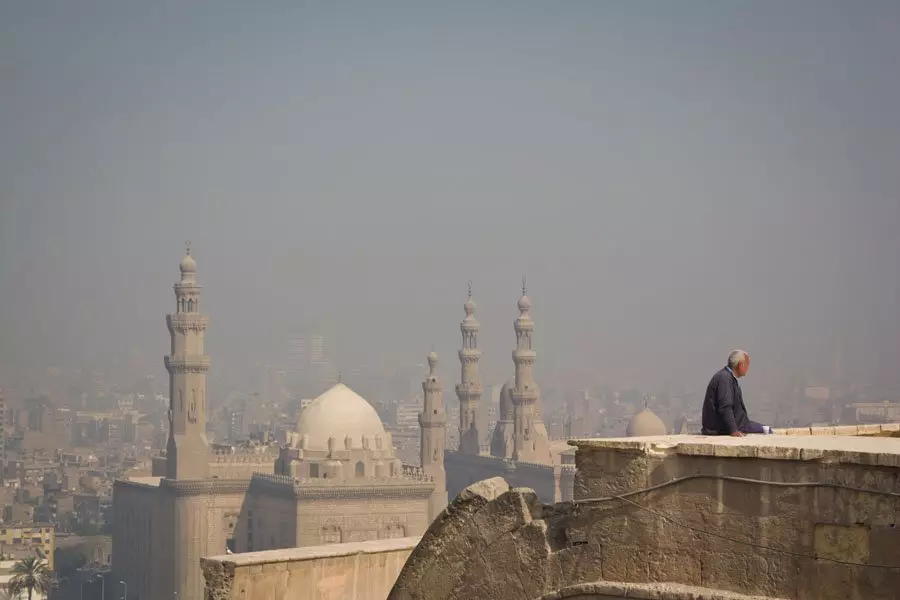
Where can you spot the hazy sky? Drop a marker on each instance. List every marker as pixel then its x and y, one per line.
pixel 674 178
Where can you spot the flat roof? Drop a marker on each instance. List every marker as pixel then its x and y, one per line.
pixel 863 450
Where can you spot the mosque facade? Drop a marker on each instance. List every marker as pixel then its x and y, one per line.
pixel 336 480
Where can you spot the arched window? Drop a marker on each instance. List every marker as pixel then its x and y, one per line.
pixel 360 469
pixel 190 306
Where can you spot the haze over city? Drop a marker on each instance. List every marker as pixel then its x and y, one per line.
pixel 673 180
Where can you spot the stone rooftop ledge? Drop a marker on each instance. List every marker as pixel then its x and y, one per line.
pixel 648 591
pixel 869 451
pixel 316 552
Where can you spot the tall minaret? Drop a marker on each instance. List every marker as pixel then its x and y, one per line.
pixel 432 422
pixel 469 389
pixel 187 451
pixel 530 442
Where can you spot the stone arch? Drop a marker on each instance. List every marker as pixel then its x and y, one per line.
pixel 360 469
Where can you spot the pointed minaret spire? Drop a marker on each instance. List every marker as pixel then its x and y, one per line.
pixel 469 389
pixel 432 423
pixel 531 442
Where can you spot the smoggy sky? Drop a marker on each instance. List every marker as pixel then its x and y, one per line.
pixel 675 179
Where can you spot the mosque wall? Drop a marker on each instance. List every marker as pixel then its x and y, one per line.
pixel 336 520
pixel 792 517
pixel 463 470
pixel 135 534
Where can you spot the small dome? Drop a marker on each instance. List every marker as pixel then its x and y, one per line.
pixel 644 424
pixel 469 307
pixel 338 413
pixel 188 264
pixel 506 405
pixel 524 304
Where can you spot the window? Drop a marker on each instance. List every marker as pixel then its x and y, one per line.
pixel 360 469
pixel 314 470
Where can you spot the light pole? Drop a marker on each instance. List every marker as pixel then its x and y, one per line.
pixel 125 595
pixel 102 587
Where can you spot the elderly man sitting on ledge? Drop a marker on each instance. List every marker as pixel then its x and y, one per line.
pixel 724 412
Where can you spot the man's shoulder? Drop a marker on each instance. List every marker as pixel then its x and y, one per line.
pixel 721 375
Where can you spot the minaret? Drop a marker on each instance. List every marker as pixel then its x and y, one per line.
pixel 469 389
pixel 187 451
pixel 531 443
pixel 432 421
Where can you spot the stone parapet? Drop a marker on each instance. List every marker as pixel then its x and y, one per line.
pixel 359 570
pixel 883 429
pixel 194 487
pixel 859 450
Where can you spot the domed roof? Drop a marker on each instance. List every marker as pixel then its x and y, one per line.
pixel 524 304
pixel 188 264
pixel 506 405
pixel 338 413
pixel 645 423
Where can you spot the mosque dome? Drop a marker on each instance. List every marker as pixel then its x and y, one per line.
pixel 338 413
pixel 645 423
pixel 506 405
pixel 188 264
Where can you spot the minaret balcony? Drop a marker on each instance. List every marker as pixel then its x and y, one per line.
pixel 184 322
pixel 470 388
pixel 187 363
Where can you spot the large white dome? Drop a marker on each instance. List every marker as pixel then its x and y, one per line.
pixel 337 413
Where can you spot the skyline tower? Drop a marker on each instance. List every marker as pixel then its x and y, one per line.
pixel 469 389
pixel 187 450
pixel 531 443
pixel 432 423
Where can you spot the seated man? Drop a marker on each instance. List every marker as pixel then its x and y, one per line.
pixel 724 412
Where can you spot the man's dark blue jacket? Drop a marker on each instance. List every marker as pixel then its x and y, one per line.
pixel 723 407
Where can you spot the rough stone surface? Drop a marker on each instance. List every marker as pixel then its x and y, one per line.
pixel 602 590
pixel 719 537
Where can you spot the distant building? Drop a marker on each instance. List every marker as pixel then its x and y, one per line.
pixel 19 541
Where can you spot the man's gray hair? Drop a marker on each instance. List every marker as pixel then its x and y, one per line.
pixel 736 357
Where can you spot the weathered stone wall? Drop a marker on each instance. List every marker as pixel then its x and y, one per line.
pixel 361 571
pixel 800 542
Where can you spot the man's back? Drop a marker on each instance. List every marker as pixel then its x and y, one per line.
pixel 723 406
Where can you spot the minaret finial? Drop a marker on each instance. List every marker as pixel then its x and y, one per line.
pixel 524 287
pixel 187 247
pixel 340 377
pixel 470 288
